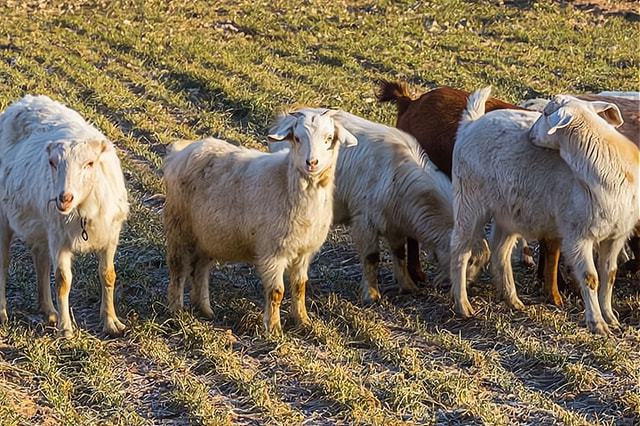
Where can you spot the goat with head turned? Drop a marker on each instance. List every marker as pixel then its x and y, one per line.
pixel 566 174
pixel 629 105
pixel 230 203
pixel 63 192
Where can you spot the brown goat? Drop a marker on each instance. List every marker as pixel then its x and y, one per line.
pixel 433 120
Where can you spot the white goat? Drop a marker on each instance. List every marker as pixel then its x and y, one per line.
pixel 62 192
pixel 230 203
pixel 386 186
pixel 566 174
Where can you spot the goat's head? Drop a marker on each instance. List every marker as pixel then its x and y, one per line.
pixel 73 169
pixel 563 110
pixel 314 137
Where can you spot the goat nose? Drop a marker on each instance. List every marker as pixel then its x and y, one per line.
pixel 312 162
pixel 65 197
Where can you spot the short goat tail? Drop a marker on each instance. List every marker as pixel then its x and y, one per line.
pixel 396 92
pixel 178 146
pixel 475 105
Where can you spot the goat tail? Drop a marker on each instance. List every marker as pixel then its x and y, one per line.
pixel 178 146
pixel 476 105
pixel 396 92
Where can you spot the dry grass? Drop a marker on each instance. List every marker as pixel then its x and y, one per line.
pixel 150 72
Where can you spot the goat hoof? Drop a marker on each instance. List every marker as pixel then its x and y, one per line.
pixel 515 303
pixel 600 328
pixel 274 331
pixel 611 320
pixel 3 316
pixel 528 262
pixel 418 275
pixel 556 300
pixel 65 333
pixel 113 327
pixel 301 319
pixel 464 309
pixel 50 318
pixel 206 312
pixel 371 297
pixel 408 288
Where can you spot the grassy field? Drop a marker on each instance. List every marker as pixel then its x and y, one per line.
pixel 147 73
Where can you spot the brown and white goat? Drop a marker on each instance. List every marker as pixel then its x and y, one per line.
pixel 433 120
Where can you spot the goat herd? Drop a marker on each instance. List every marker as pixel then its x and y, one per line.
pixel 557 171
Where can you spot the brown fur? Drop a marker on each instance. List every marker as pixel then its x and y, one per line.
pixel 433 120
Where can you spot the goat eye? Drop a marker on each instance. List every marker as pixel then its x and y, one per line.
pixel 89 164
pixel 52 164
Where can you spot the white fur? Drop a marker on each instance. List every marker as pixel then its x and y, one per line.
pixel 386 187
pixel 565 174
pixel 36 132
pixel 230 203
pixel 634 96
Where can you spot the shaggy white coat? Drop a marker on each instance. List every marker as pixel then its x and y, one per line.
pixel 47 150
pixel 229 203
pixel 567 174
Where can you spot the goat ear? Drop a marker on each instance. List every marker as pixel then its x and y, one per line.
pixel 610 112
pixel 559 119
pixel 345 137
pixel 283 129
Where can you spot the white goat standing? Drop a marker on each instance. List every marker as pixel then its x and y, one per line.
pixel 230 203
pixel 61 191
pixel 565 174
pixel 387 187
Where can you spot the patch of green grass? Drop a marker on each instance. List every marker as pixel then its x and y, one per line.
pixel 147 73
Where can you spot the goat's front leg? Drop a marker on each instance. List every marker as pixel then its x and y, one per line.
pixel 400 270
pixel 63 279
pixel 42 262
pixel 273 284
pixel 5 243
pixel 607 268
pixel 579 254
pixel 111 323
pixel 298 278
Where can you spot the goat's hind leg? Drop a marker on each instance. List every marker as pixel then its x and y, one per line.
pixel 400 269
pixel 607 268
pixel 200 285
pixel 503 243
pixel 366 242
pixel 466 231
pixel 179 264
pixel 111 324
